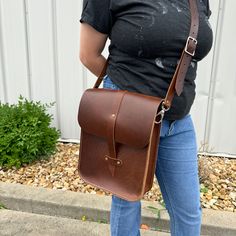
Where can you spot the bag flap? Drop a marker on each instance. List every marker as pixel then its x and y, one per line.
pixel 134 119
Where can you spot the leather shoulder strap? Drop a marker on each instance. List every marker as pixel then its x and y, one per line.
pixel 188 52
pixel 102 74
pixel 177 82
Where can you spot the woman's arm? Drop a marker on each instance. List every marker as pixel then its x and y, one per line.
pixel 92 44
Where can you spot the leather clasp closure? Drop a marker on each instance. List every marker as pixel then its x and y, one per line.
pixel 161 113
pixel 113 161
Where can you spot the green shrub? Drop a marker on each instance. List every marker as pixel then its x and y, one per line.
pixel 25 133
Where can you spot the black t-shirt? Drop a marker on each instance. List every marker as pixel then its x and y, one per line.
pixel 147 38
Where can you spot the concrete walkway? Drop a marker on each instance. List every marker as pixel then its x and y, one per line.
pixel 29 224
pixel 59 209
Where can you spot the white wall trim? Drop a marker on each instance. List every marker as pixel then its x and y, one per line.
pixel 55 61
pixel 214 69
pixel 2 55
pixel 27 48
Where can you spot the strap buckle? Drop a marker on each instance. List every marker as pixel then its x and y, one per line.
pixel 186 49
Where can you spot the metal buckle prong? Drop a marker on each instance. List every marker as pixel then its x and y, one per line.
pixel 186 46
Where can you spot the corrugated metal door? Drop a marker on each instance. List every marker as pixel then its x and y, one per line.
pixel 214 111
pixel 39 44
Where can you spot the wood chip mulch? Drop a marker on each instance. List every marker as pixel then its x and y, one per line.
pixel 217 177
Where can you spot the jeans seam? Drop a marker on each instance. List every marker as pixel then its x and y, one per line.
pixel 169 199
pixel 118 221
pixel 171 128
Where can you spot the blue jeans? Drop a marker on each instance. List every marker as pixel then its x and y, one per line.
pixel 177 175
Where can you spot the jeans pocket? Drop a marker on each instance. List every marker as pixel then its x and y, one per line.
pixel 108 84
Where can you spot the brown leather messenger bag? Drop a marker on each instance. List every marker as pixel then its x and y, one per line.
pixel 120 130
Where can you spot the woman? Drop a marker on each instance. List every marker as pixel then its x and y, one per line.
pixel 147 38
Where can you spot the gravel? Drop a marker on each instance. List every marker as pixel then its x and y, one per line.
pixel 217 177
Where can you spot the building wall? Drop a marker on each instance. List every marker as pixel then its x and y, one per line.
pixel 39 45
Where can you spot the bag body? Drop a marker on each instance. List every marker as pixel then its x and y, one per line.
pixel 129 119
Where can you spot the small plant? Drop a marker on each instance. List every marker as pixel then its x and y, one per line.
pixel 203 188
pixel 102 221
pixel 156 211
pixel 162 203
pixel 2 206
pixel 25 133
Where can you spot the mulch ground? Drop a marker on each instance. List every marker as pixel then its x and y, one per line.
pixel 217 177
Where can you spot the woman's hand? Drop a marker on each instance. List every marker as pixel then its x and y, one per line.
pixel 92 44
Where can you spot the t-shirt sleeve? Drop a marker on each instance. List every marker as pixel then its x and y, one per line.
pixel 97 13
pixel 208 10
